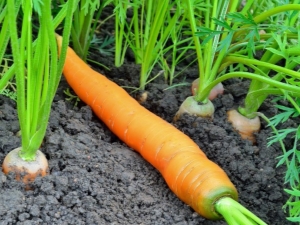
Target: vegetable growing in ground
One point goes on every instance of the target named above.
(258, 91)
(38, 71)
(195, 179)
(228, 42)
(207, 58)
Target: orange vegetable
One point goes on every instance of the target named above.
(26, 171)
(245, 126)
(195, 179)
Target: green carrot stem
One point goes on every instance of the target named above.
(248, 61)
(265, 15)
(235, 214)
(9, 74)
(291, 88)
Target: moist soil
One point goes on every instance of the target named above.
(94, 178)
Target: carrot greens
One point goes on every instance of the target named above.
(147, 32)
(6, 71)
(37, 69)
(233, 37)
(86, 19)
(121, 30)
(235, 214)
(290, 157)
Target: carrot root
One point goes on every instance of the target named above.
(25, 171)
(188, 172)
(192, 107)
(246, 127)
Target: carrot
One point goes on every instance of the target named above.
(245, 126)
(195, 179)
(25, 171)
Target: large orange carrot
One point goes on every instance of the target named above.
(188, 172)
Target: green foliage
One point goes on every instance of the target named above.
(234, 213)
(71, 97)
(293, 204)
(10, 94)
(37, 67)
(147, 33)
(291, 157)
(86, 19)
(105, 46)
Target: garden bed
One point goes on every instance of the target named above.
(96, 179)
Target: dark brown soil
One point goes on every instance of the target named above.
(96, 179)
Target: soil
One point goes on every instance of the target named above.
(96, 179)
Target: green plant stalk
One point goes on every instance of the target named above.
(256, 85)
(193, 26)
(177, 51)
(248, 61)
(209, 62)
(271, 12)
(3, 10)
(4, 38)
(263, 16)
(234, 213)
(18, 62)
(9, 74)
(4, 34)
(33, 105)
(83, 27)
(120, 22)
(77, 29)
(86, 21)
(42, 73)
(156, 40)
(284, 86)
(138, 29)
(211, 72)
(30, 70)
(276, 133)
(251, 105)
(201, 96)
(294, 19)
(149, 42)
(212, 45)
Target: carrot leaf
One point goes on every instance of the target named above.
(37, 67)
